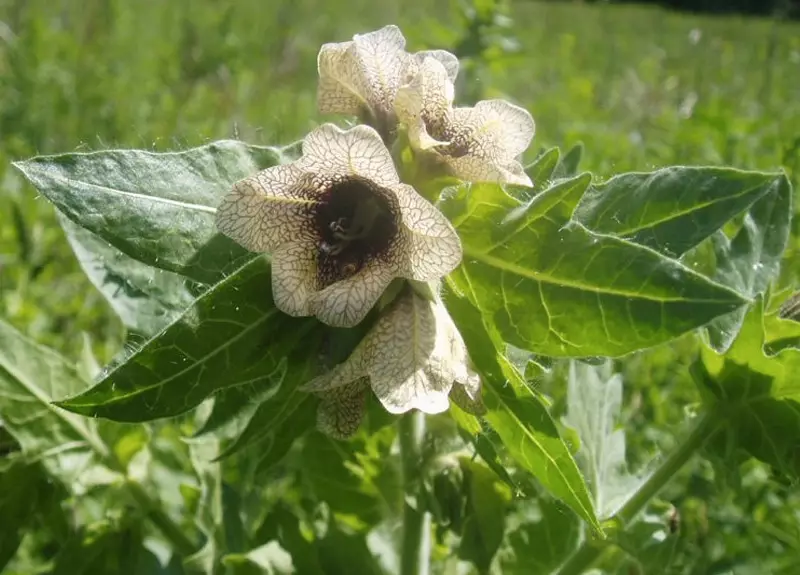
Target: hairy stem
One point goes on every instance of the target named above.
(591, 550)
(416, 544)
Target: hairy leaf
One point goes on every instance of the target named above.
(550, 286)
(517, 414)
(157, 208)
(232, 336)
(673, 209)
(760, 394)
(750, 260)
(145, 298)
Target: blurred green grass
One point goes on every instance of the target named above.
(641, 87)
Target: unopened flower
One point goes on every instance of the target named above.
(478, 144)
(361, 77)
(339, 226)
(413, 358)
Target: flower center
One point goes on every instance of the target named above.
(441, 129)
(355, 223)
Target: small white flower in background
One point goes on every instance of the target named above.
(339, 226)
(478, 144)
(413, 358)
(361, 77)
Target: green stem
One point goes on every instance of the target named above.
(591, 550)
(416, 543)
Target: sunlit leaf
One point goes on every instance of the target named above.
(519, 416)
(157, 208)
(760, 394)
(750, 260)
(145, 298)
(231, 336)
(551, 286)
(673, 209)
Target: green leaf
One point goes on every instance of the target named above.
(760, 394)
(518, 415)
(673, 209)
(568, 166)
(750, 260)
(278, 421)
(484, 524)
(269, 559)
(540, 535)
(23, 488)
(540, 171)
(594, 401)
(550, 286)
(232, 336)
(157, 208)
(68, 445)
(358, 479)
(145, 298)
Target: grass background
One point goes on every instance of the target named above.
(639, 86)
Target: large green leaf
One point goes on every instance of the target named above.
(231, 336)
(750, 260)
(145, 298)
(517, 414)
(549, 285)
(760, 394)
(673, 209)
(31, 377)
(157, 208)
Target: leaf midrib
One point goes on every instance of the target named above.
(679, 214)
(191, 366)
(513, 268)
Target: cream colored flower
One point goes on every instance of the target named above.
(414, 358)
(479, 144)
(339, 226)
(361, 77)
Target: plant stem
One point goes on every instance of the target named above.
(416, 544)
(591, 550)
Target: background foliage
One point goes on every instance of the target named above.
(641, 88)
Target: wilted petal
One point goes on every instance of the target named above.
(267, 209)
(346, 302)
(341, 409)
(432, 248)
(332, 153)
(294, 277)
(425, 102)
(370, 68)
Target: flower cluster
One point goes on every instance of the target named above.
(340, 225)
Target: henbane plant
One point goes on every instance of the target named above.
(407, 257)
